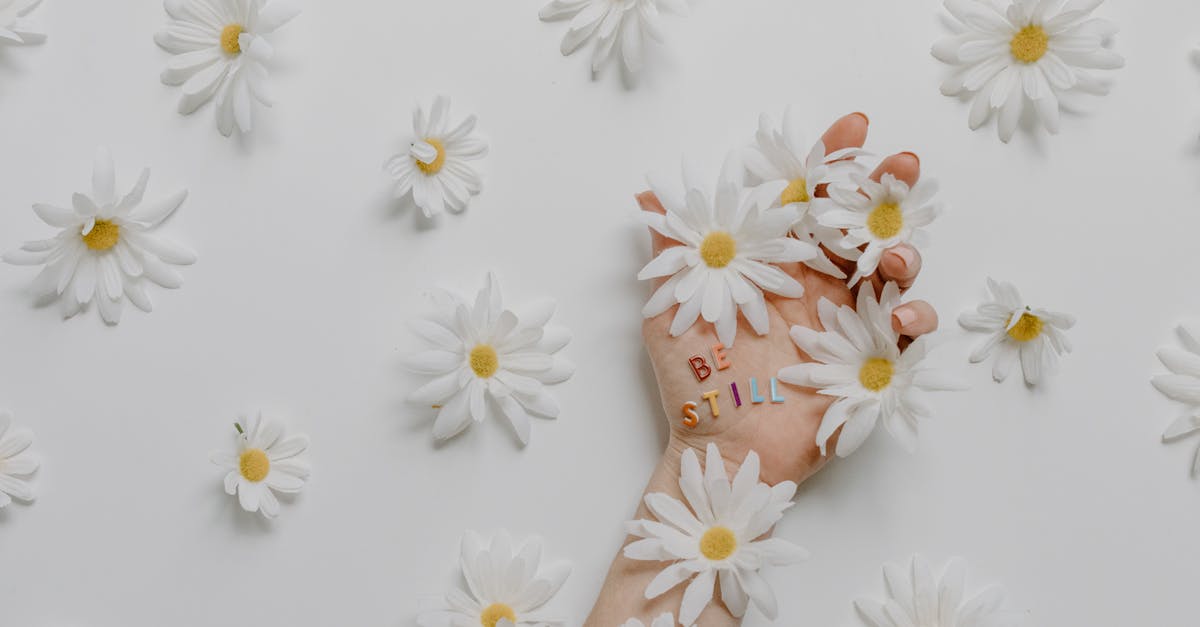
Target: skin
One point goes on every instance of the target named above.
(783, 435)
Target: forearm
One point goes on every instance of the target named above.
(623, 595)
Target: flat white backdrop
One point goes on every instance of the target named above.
(307, 271)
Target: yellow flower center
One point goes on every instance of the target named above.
(434, 166)
(484, 361)
(718, 249)
(494, 612)
(103, 236)
(1027, 328)
(1029, 45)
(797, 191)
(886, 220)
(718, 543)
(876, 374)
(254, 464)
(229, 38)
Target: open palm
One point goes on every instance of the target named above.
(783, 433)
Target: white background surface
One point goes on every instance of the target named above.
(307, 271)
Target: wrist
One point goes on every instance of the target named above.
(665, 476)
(670, 464)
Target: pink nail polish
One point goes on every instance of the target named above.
(907, 255)
(902, 317)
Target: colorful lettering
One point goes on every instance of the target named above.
(718, 353)
(690, 417)
(711, 397)
(755, 397)
(775, 397)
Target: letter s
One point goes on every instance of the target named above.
(690, 417)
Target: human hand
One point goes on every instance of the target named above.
(782, 433)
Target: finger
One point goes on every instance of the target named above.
(906, 167)
(914, 319)
(850, 131)
(902, 264)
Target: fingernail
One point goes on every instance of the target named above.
(903, 316)
(913, 155)
(647, 201)
(863, 116)
(905, 254)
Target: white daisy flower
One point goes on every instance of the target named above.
(16, 462)
(918, 597)
(616, 27)
(1037, 336)
(264, 462)
(713, 538)
(106, 246)
(1008, 53)
(858, 361)
(221, 51)
(1183, 384)
(488, 360)
(781, 154)
(15, 28)
(507, 585)
(435, 168)
(881, 215)
(730, 241)
(666, 619)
